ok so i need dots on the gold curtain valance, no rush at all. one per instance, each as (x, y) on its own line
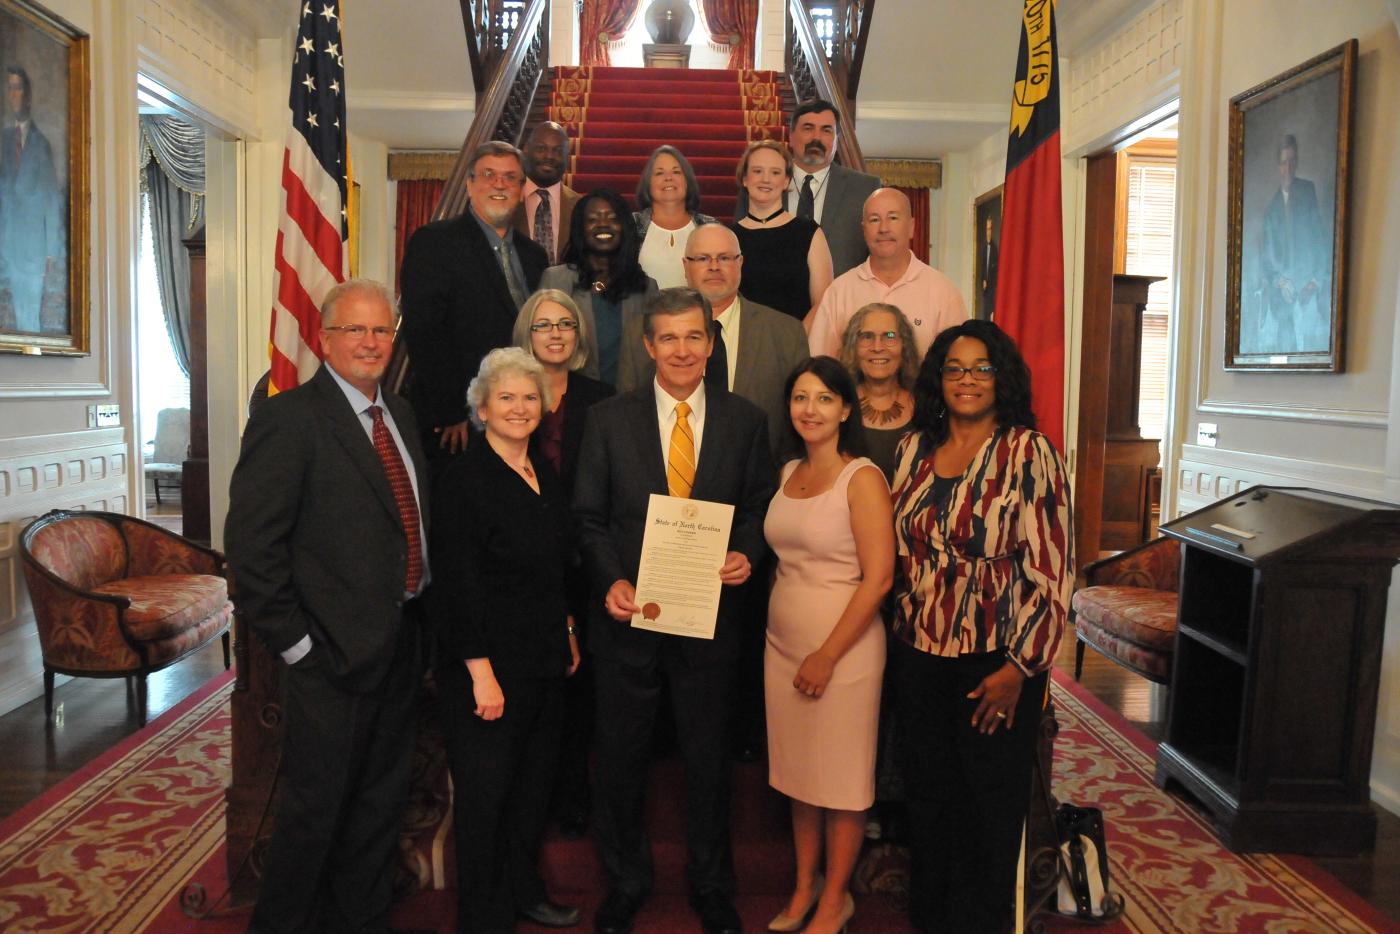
(907, 173)
(416, 166)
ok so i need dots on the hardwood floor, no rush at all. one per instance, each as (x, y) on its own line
(91, 715)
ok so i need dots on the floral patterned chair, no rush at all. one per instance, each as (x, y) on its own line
(1128, 611)
(117, 597)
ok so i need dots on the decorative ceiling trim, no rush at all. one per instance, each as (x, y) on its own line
(907, 173)
(417, 166)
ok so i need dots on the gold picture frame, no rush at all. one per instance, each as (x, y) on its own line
(1289, 187)
(44, 201)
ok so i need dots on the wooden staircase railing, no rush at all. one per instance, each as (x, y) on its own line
(835, 79)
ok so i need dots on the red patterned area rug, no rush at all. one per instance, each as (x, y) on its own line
(115, 846)
(1174, 874)
(107, 847)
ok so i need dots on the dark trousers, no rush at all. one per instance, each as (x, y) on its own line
(627, 701)
(502, 774)
(967, 792)
(750, 721)
(572, 799)
(346, 762)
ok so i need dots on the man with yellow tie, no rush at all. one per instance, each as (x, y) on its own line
(680, 437)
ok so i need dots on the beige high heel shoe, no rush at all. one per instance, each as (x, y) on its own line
(848, 912)
(785, 923)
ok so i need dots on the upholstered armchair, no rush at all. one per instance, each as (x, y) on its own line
(117, 597)
(1127, 612)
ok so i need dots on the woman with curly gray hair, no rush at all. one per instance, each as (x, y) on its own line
(502, 550)
(878, 350)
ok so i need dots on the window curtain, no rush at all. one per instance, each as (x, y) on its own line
(172, 178)
(732, 25)
(417, 199)
(918, 197)
(602, 24)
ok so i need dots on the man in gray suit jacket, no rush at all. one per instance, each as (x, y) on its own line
(832, 195)
(325, 539)
(761, 344)
(674, 435)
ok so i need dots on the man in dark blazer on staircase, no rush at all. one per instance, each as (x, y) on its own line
(463, 281)
(675, 436)
(326, 543)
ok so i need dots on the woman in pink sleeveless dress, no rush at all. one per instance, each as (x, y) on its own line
(831, 526)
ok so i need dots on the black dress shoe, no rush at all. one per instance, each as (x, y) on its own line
(717, 914)
(617, 913)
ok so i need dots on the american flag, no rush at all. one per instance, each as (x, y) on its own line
(312, 233)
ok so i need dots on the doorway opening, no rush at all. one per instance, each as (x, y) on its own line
(1125, 384)
(171, 346)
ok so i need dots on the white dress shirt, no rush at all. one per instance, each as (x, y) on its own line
(666, 417)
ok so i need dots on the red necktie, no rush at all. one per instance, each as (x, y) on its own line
(402, 486)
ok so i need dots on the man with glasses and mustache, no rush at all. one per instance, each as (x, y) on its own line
(326, 536)
(463, 281)
(892, 275)
(820, 190)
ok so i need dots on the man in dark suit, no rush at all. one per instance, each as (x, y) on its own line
(463, 281)
(830, 194)
(33, 241)
(325, 540)
(761, 344)
(634, 445)
(547, 208)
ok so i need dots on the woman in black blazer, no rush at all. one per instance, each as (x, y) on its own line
(552, 329)
(501, 552)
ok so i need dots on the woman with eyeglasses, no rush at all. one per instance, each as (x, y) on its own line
(983, 575)
(503, 547)
(668, 197)
(787, 264)
(878, 350)
(552, 328)
(603, 274)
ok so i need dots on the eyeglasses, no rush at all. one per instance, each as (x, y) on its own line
(491, 175)
(870, 337)
(358, 332)
(724, 259)
(980, 373)
(563, 324)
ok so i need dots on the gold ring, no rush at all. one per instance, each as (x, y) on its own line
(1001, 715)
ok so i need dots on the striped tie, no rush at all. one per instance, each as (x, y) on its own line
(680, 462)
(402, 486)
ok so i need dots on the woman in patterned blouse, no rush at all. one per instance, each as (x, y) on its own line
(983, 575)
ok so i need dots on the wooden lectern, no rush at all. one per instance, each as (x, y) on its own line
(1272, 710)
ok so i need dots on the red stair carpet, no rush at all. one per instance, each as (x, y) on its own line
(617, 116)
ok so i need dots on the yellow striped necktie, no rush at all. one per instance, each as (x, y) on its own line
(680, 460)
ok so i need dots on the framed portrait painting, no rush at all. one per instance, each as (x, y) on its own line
(1289, 183)
(44, 182)
(986, 237)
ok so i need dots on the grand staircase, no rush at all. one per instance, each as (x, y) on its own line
(617, 116)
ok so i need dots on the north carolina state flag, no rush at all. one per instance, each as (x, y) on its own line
(1031, 275)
